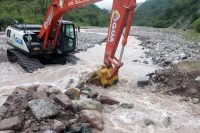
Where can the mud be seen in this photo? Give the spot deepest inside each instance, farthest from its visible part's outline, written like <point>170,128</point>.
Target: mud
<point>179,79</point>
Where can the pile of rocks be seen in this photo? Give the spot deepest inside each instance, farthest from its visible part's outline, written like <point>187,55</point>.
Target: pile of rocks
<point>179,79</point>
<point>44,109</point>
<point>165,46</point>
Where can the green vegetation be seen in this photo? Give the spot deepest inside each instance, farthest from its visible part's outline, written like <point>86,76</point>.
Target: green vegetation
<point>165,13</point>
<point>196,25</point>
<point>33,12</point>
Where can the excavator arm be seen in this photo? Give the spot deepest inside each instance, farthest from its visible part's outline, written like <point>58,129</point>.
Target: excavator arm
<point>120,23</point>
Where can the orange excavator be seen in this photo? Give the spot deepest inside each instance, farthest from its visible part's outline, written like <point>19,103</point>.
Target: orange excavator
<point>57,36</point>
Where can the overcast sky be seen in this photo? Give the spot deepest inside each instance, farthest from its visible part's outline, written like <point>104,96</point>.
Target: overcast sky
<point>108,3</point>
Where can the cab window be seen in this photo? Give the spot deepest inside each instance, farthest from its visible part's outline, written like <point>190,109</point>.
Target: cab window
<point>70,31</point>
<point>8,33</point>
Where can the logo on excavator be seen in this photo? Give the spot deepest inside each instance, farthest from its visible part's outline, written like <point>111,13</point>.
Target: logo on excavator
<point>61,3</point>
<point>17,40</point>
<point>115,18</point>
<point>48,21</point>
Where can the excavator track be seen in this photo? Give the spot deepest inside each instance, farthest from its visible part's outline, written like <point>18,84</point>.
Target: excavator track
<point>28,64</point>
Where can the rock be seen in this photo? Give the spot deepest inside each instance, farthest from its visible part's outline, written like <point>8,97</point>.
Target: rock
<point>7,131</point>
<point>183,56</point>
<point>110,109</point>
<point>75,128</point>
<point>48,88</point>
<point>49,131</point>
<point>41,95</point>
<point>107,100</point>
<point>13,123</point>
<point>166,120</point>
<point>83,79</point>
<point>63,100</point>
<point>58,126</point>
<point>143,81</point>
<point>94,95</point>
<point>127,105</point>
<point>27,124</point>
<point>3,110</point>
<point>159,72</point>
<point>86,129</point>
<point>86,91</point>
<point>93,117</point>
<point>88,104</point>
<point>72,83</point>
<point>148,122</point>
<point>73,93</point>
<point>43,109</point>
<point>198,78</point>
<point>145,62</point>
<point>186,99</point>
<point>195,100</point>
<point>136,61</point>
<point>193,91</point>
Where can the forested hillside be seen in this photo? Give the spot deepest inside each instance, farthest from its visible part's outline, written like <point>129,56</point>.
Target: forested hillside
<point>165,13</point>
<point>33,11</point>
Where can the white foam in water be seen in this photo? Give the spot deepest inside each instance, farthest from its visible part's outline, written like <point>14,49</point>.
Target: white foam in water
<point>119,120</point>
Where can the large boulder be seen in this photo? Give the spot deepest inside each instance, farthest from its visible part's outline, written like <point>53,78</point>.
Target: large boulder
<point>93,117</point>
<point>13,123</point>
<point>42,109</point>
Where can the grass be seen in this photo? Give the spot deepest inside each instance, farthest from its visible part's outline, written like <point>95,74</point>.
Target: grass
<point>192,35</point>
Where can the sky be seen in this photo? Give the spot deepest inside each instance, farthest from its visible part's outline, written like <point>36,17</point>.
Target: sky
<point>108,3</point>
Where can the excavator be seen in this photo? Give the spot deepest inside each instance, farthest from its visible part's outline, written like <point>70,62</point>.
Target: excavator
<point>58,37</point>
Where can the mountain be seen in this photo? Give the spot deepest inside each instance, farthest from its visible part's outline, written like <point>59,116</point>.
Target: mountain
<point>33,12</point>
<point>166,13</point>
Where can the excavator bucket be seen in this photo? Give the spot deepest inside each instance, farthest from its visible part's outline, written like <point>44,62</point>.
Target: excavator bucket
<point>103,77</point>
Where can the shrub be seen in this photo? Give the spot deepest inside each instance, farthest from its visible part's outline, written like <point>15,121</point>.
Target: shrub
<point>196,25</point>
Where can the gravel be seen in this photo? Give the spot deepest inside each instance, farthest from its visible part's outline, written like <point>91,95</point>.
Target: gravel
<point>3,47</point>
<point>88,40</point>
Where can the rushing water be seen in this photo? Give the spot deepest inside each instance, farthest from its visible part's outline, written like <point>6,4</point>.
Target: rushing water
<point>185,116</point>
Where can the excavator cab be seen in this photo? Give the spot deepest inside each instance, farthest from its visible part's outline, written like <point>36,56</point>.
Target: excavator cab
<point>67,38</point>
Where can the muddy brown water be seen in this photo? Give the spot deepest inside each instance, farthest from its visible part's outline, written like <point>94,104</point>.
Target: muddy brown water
<point>185,115</point>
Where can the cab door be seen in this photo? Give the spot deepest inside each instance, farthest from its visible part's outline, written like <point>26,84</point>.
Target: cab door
<point>67,40</point>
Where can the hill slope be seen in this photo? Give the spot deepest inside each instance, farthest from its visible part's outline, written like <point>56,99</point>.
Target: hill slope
<point>165,13</point>
<point>32,11</point>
